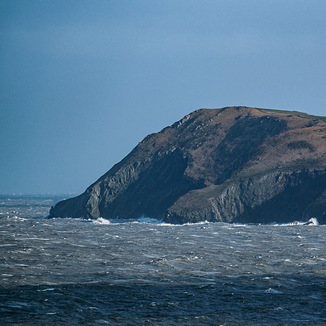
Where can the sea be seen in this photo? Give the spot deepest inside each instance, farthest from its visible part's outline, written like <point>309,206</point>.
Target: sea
<point>64,271</point>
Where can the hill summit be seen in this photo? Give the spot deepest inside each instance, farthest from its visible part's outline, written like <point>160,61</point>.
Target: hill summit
<point>234,164</point>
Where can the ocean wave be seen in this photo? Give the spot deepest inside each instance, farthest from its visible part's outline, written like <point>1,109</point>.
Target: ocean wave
<point>311,222</point>
<point>148,220</point>
<point>101,220</point>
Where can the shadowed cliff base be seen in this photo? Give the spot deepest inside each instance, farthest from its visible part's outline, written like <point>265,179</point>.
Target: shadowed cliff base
<point>235,164</point>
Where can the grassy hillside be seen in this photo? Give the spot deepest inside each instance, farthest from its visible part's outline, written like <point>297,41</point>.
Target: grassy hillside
<point>300,114</point>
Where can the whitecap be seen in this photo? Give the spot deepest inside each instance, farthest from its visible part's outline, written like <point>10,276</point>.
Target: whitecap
<point>46,290</point>
<point>101,220</point>
<point>311,222</point>
<point>272,291</point>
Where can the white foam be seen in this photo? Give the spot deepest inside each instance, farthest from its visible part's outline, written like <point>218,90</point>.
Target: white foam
<point>311,222</point>
<point>148,220</point>
<point>101,220</point>
<point>272,291</point>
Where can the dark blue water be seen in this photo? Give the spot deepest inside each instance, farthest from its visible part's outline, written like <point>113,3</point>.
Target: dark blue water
<point>78,272</point>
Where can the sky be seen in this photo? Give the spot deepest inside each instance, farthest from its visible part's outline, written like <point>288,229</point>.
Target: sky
<point>83,82</point>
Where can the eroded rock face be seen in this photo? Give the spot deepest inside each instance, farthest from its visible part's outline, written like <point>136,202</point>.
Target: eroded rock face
<point>235,164</point>
<point>272,197</point>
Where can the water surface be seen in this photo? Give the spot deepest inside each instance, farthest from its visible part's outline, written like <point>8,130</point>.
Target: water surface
<point>80,272</point>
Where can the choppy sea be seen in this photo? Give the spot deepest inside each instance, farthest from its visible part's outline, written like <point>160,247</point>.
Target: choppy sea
<point>82,272</point>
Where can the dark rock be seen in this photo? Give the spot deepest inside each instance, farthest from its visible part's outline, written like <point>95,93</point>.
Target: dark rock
<point>234,164</point>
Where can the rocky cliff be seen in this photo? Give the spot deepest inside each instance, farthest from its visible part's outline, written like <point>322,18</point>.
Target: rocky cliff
<point>235,164</point>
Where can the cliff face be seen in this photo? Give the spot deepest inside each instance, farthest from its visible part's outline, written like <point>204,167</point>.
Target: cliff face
<point>235,164</point>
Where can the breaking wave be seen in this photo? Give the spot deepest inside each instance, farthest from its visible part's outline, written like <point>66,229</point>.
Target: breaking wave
<point>311,222</point>
<point>70,271</point>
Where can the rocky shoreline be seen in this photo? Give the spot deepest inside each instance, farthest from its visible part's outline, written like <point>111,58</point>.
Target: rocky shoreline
<point>235,164</point>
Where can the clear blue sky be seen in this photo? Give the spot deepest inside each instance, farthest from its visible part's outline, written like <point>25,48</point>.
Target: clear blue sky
<point>82,82</point>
